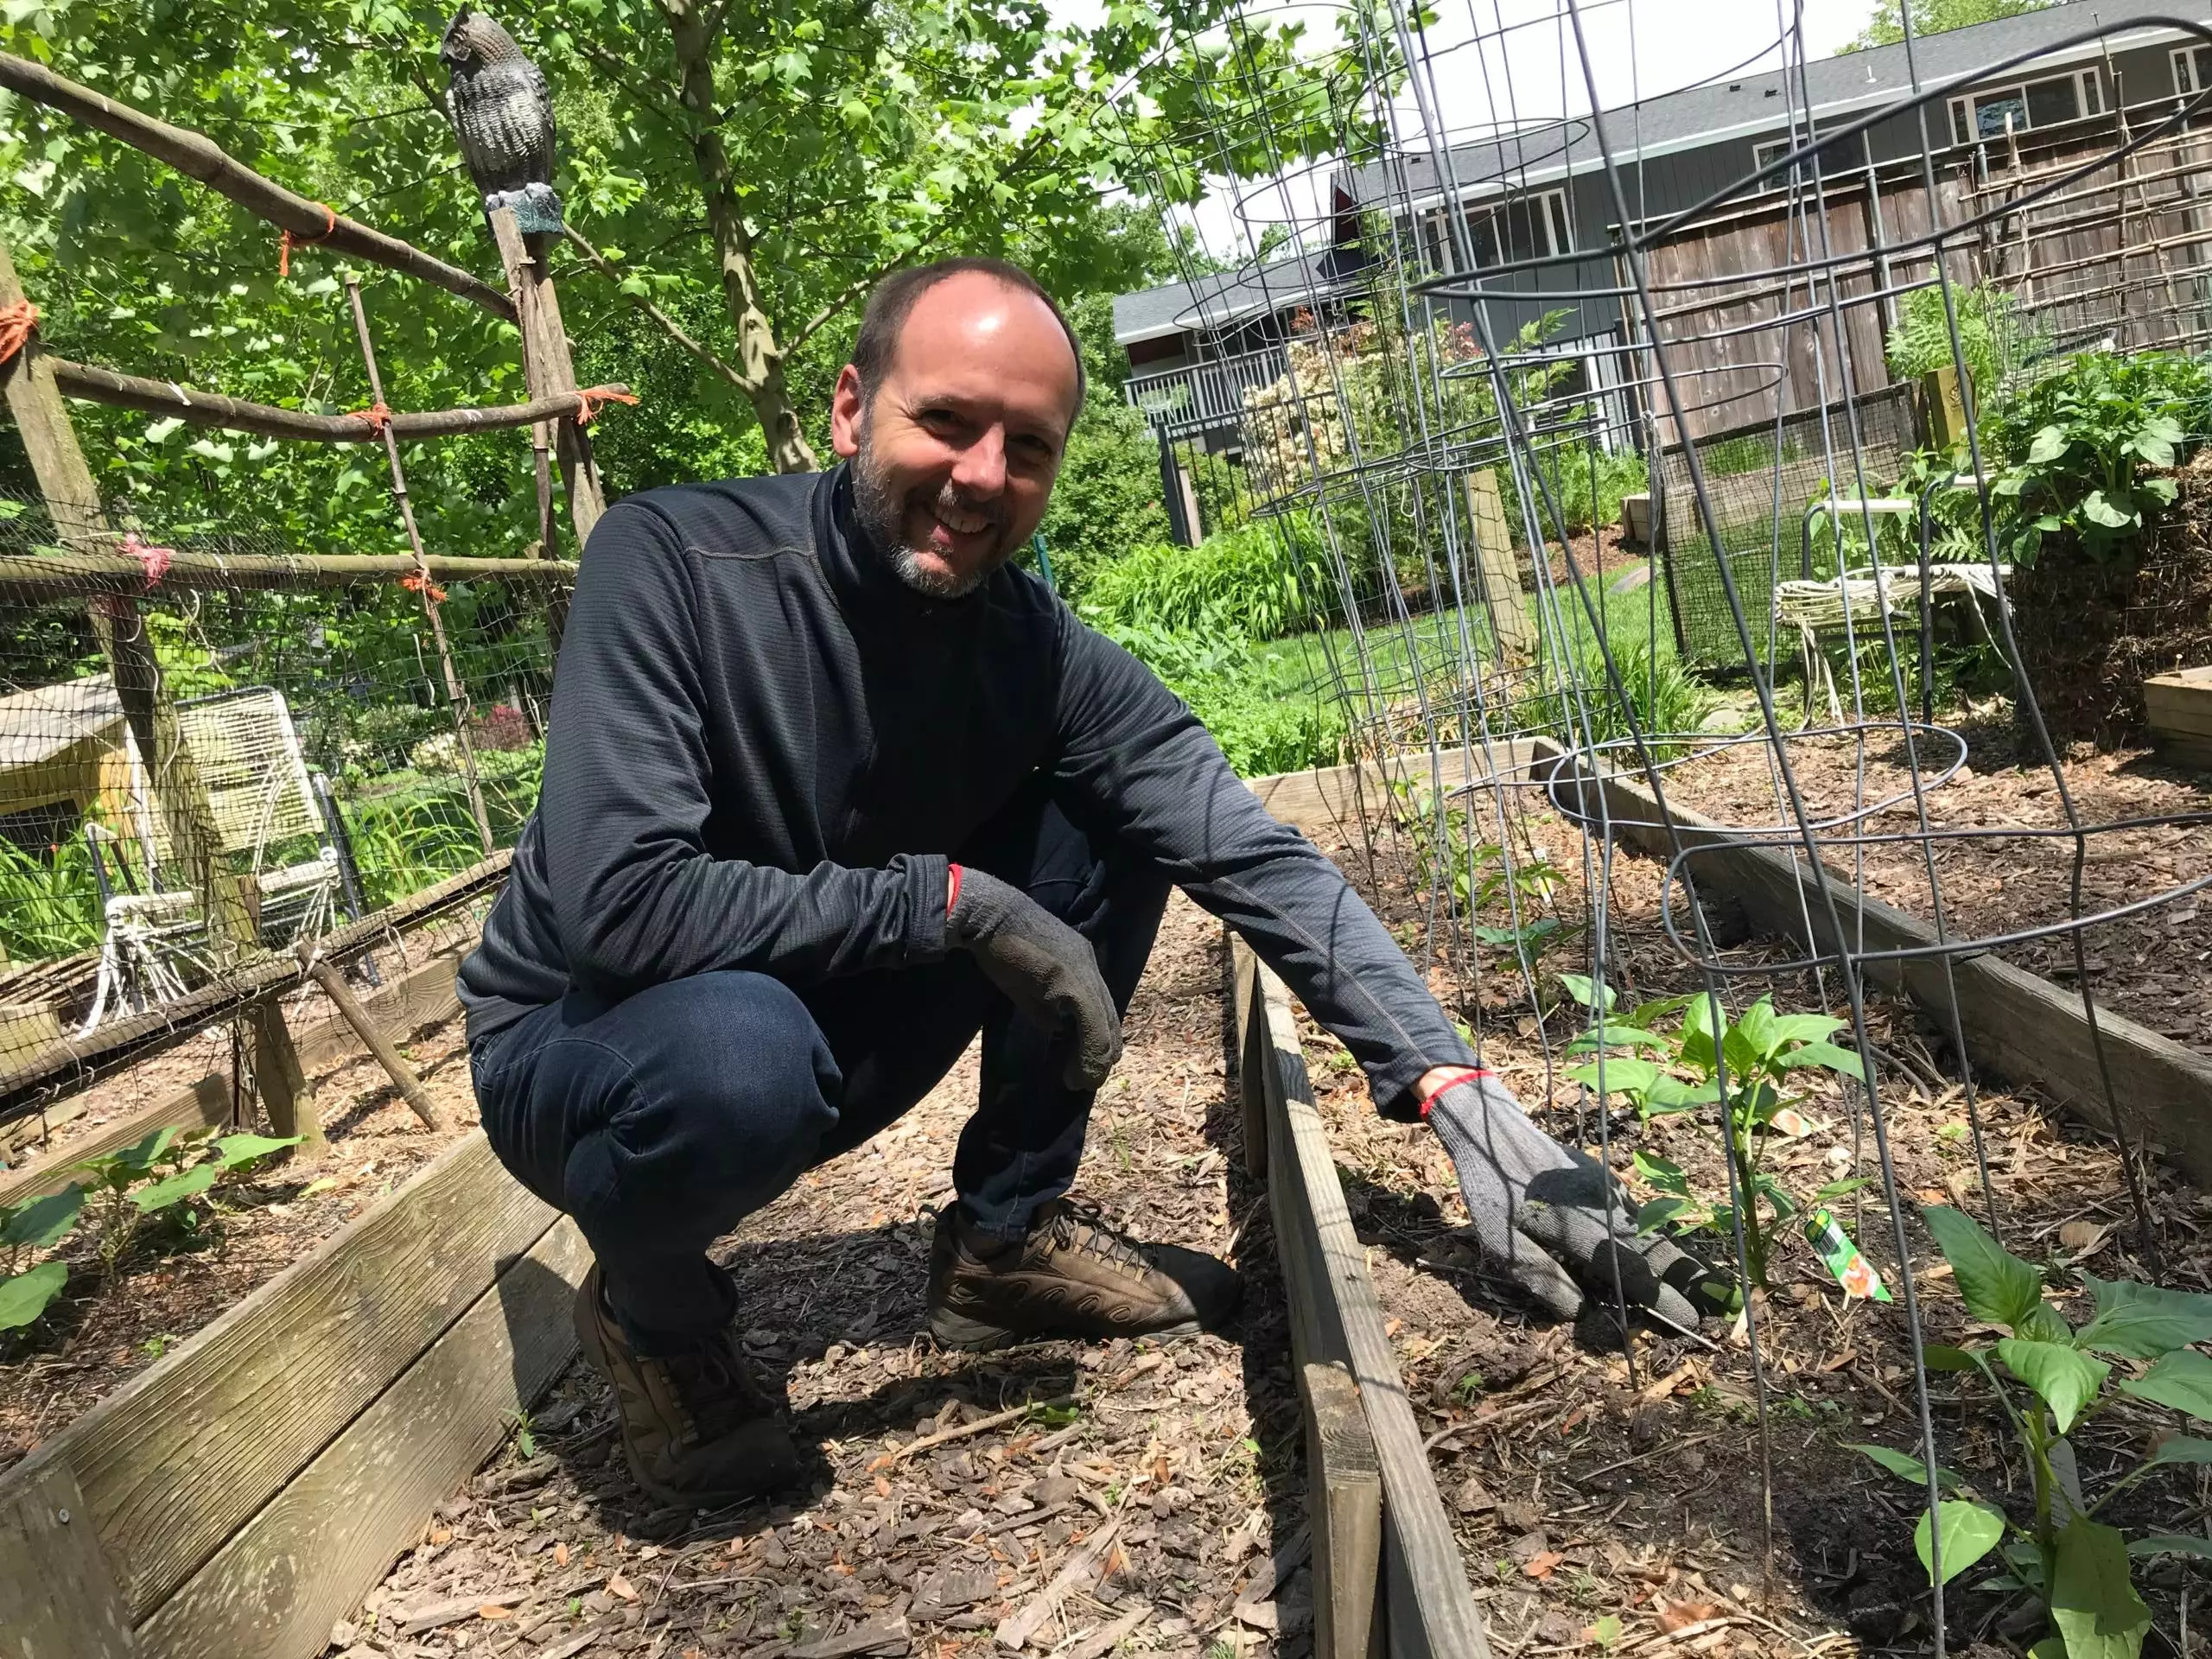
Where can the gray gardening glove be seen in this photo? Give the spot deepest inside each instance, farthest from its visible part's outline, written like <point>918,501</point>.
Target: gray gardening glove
<point>1551,1217</point>
<point>1044,966</point>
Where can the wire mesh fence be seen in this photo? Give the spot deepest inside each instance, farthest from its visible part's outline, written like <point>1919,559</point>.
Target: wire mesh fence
<point>213,751</point>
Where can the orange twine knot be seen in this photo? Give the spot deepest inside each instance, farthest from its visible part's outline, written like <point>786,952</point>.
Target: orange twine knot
<point>378,414</point>
<point>419,582</point>
<point>155,561</point>
<point>591,399</point>
<point>288,239</point>
<point>18,322</point>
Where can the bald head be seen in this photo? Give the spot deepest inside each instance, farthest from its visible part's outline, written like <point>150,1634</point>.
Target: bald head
<point>955,412</point>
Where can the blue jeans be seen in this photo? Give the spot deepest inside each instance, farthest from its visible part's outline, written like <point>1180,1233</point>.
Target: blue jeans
<point>660,1121</point>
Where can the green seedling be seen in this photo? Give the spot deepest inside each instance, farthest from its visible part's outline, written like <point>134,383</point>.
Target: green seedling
<point>159,1176</point>
<point>1746,1067</point>
<point>26,1292</point>
<point>2050,1380</point>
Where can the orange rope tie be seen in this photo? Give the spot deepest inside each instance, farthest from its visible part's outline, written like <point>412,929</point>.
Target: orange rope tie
<point>378,414</point>
<point>155,561</point>
<point>288,239</point>
<point>18,322</point>
<point>591,399</point>
<point>419,582</point>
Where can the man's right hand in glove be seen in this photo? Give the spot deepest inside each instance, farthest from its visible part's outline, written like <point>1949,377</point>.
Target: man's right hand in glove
<point>1548,1216</point>
<point>1045,967</point>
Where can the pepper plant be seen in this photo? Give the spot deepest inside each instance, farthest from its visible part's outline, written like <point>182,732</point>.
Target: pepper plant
<point>156,1178</point>
<point>2051,1380</point>
<point>1747,1066</point>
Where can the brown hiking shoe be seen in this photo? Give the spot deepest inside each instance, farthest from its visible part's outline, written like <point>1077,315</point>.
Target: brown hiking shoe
<point>1073,1276</point>
<point>697,1429</point>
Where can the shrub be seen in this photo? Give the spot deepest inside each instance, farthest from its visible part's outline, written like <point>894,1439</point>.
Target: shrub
<point>1208,666</point>
<point>2080,446</point>
<point>1260,581</point>
<point>1585,482</point>
<point>1990,336</point>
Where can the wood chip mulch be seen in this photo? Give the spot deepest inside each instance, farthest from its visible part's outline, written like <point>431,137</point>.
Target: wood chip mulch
<point>1148,1500</point>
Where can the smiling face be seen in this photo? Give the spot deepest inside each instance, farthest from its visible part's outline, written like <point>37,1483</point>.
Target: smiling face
<point>956,446</point>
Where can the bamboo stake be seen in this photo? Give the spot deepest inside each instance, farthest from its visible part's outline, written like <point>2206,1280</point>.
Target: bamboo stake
<point>90,384</point>
<point>349,1007</point>
<point>456,693</point>
<point>200,157</point>
<point>86,573</point>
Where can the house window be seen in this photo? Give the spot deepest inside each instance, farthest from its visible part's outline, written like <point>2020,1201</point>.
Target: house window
<point>2192,69</point>
<point>1837,155</point>
<point>1526,228</point>
<point>1997,111</point>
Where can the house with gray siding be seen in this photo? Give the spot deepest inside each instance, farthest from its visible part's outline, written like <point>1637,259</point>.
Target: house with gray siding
<point>1538,213</point>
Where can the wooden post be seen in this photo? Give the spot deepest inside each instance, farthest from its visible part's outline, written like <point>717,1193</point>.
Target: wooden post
<point>286,1094</point>
<point>546,368</point>
<point>1944,402</point>
<point>59,1594</point>
<point>1344,1503</point>
<point>456,693</point>
<point>388,1056</point>
<point>1500,577</point>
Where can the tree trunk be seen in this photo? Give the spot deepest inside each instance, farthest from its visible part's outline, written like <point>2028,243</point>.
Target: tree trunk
<point>759,358</point>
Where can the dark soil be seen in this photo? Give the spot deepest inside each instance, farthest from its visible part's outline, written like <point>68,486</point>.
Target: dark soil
<point>1587,1490</point>
<point>2089,633</point>
<point>2155,967</point>
<point>103,1330</point>
<point>1192,1449</point>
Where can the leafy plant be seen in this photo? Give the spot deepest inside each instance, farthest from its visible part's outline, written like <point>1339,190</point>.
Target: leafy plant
<point>2076,1565</point>
<point>1990,335</point>
<point>1262,580</point>
<point>25,1230</point>
<point>2081,445</point>
<point>156,1178</point>
<point>1746,1066</point>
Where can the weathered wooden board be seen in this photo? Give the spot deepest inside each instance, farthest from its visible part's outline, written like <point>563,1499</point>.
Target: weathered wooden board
<point>180,1458</point>
<point>273,1590</point>
<point>57,1599</point>
<point>424,997</point>
<point>2180,709</point>
<point>1325,1269</point>
<point>2016,1025</point>
<point>1344,1507</point>
<point>1330,798</point>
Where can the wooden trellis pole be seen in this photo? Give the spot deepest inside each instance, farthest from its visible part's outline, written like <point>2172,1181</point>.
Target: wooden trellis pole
<point>426,590</point>
<point>548,369</point>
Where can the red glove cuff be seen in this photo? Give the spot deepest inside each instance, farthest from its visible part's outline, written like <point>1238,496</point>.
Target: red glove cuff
<point>952,888</point>
<point>1457,1074</point>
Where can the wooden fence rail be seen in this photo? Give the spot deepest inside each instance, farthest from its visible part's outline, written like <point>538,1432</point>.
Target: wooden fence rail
<point>29,576</point>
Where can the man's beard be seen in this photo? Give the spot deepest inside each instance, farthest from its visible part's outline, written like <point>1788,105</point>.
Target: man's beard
<point>882,515</point>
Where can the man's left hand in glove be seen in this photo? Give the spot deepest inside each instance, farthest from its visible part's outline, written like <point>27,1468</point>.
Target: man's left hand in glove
<point>1551,1217</point>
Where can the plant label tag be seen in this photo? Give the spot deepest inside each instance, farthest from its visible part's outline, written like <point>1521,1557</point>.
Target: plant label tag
<point>1852,1270</point>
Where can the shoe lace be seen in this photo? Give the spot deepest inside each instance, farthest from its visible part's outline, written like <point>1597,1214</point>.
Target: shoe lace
<point>715,1386</point>
<point>1077,1225</point>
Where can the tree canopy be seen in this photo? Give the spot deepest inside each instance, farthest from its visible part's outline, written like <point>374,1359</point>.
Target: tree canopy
<point>735,174</point>
<point>1886,28</point>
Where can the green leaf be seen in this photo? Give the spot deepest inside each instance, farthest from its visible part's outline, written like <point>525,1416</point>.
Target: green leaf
<point>1667,1176</point>
<point>1623,1075</point>
<point>162,1195</point>
<point>140,1158</point>
<point>2093,1600</point>
<point>2063,1378</point>
<point>1827,1056</point>
<point>1941,1357</point>
<point>233,1150</point>
<point>1999,1288</point>
<point>1969,1532</point>
<point>40,1223</point>
<point>1659,1211</point>
<point>1842,1189</point>
<point>1904,1466</point>
<point>25,1296</point>
<point>1579,988</point>
<point>2180,1448</point>
<point>2047,445</point>
<point>1806,1027</point>
<point>2099,511</point>
<point>2182,1380</point>
<point>2045,1323</point>
<point>1617,1037</point>
<point>1756,1029</point>
<point>2170,1543</point>
<point>2142,1321</point>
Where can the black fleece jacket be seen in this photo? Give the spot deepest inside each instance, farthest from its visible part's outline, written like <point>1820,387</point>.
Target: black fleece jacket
<point>764,747</point>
